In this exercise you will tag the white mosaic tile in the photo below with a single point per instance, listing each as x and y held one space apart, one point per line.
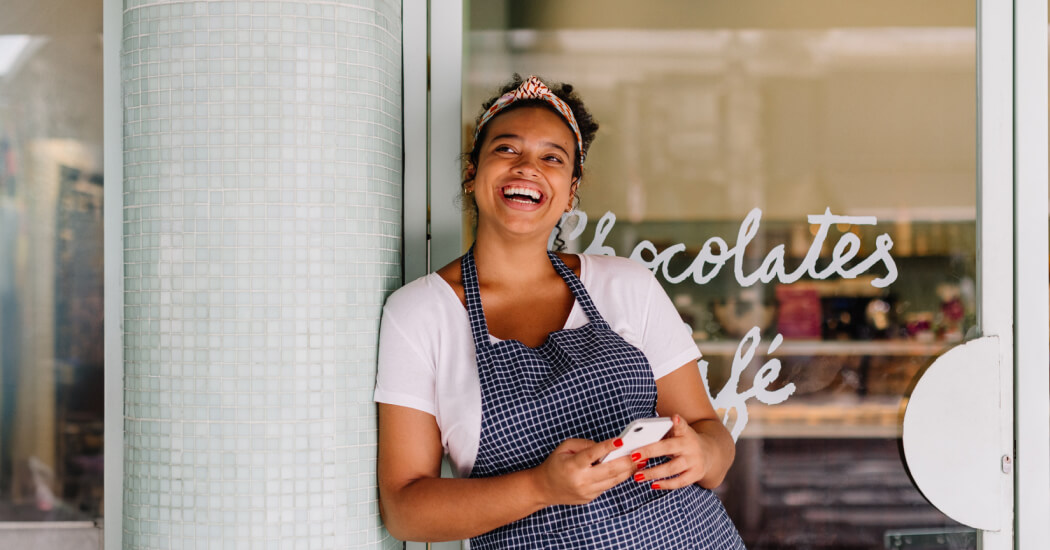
262 228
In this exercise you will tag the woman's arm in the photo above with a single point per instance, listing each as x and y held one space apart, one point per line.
417 504
701 447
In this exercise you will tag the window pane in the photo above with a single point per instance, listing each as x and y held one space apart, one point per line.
829 135
50 260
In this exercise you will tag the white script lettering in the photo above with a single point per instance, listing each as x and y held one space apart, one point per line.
734 402
715 252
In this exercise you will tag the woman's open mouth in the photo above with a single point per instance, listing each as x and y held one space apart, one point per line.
522 195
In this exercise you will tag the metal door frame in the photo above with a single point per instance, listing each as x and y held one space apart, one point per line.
1031 413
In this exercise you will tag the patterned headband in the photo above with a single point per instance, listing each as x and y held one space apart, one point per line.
533 88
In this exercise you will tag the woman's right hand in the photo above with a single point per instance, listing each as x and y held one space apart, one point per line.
418 504
570 474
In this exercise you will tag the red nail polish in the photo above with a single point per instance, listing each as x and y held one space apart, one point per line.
642 464
618 442
636 456
639 477
656 485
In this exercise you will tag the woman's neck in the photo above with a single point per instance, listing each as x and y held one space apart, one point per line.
511 263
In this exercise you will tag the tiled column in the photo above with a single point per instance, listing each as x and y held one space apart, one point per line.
262 227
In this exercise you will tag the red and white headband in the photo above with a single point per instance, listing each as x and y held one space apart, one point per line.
533 88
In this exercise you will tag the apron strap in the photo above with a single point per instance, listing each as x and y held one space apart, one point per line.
478 327
578 290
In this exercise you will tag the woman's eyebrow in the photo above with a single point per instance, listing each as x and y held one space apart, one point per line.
559 147
506 136
517 137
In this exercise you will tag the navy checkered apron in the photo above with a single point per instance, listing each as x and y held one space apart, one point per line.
588 383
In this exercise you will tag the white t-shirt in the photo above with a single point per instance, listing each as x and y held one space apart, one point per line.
426 351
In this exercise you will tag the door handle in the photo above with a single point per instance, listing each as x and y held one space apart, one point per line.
952 432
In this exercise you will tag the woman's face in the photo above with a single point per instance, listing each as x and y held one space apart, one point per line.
522 184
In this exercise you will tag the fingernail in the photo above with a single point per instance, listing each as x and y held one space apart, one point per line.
618 442
639 477
677 419
656 485
642 464
636 456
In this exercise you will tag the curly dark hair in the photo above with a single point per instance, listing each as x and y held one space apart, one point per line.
588 129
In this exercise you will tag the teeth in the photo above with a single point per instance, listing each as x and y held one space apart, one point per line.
523 191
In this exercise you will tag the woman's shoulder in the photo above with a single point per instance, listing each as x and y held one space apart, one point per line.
599 267
428 294
619 286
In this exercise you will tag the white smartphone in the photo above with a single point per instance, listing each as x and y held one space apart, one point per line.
640 433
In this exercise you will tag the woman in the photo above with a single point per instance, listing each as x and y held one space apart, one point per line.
528 393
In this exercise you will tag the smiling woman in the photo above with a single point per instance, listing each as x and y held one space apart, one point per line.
523 181
523 365
517 94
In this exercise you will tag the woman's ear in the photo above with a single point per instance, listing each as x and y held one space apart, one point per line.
468 178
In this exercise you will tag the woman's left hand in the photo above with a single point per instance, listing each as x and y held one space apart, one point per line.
689 452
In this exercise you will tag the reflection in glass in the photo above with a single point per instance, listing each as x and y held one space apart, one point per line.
51 355
706 118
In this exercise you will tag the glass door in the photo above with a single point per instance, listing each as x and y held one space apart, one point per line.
828 204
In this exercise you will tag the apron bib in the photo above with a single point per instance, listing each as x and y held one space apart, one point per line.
589 383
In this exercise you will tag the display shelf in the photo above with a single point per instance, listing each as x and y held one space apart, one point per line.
721 348
853 418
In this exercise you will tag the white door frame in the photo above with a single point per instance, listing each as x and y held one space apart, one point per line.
995 227
113 274
1012 210
432 46
1031 315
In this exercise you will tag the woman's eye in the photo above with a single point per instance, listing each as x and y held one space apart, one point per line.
554 158
504 149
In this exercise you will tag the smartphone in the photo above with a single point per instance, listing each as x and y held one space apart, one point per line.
640 433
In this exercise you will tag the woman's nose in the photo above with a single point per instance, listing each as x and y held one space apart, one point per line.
526 165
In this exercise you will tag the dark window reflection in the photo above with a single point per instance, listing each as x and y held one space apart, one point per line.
51 335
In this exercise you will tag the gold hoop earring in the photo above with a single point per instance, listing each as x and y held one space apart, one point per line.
572 204
573 199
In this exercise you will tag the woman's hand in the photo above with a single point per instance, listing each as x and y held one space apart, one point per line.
700 447
690 457
570 474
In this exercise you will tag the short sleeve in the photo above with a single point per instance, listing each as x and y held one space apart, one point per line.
405 376
667 341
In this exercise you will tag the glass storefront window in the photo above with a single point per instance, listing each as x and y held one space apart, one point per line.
738 136
51 355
